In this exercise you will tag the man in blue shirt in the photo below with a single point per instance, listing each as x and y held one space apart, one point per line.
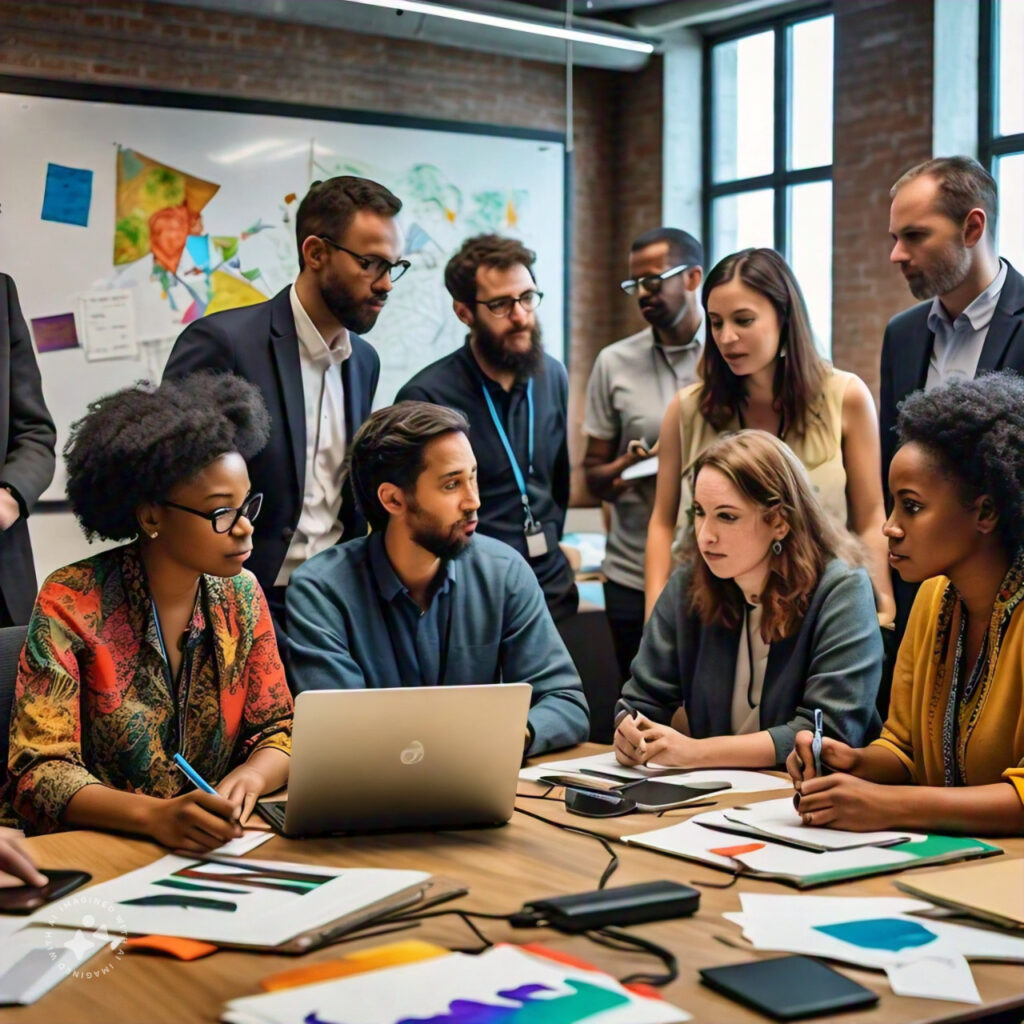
515 397
421 601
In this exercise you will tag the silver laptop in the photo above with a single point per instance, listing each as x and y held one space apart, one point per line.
417 757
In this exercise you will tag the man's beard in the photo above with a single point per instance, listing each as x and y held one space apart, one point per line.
352 315
950 271
444 544
494 353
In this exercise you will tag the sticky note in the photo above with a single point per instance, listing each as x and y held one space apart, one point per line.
53 333
733 851
68 195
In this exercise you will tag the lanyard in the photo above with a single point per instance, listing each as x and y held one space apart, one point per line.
516 471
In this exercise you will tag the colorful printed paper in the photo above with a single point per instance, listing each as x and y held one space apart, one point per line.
67 195
157 208
501 986
54 333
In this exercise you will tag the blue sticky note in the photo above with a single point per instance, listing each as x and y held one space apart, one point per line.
68 195
889 933
198 247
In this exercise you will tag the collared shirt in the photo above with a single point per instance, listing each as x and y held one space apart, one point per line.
457 382
323 395
958 343
632 382
352 625
95 704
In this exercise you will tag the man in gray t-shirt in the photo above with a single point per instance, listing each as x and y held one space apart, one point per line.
632 382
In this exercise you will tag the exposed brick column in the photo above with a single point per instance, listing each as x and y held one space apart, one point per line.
883 125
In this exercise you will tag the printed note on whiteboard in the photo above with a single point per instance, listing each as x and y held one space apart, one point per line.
106 325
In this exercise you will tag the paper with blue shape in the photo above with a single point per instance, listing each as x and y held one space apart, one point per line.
68 195
889 933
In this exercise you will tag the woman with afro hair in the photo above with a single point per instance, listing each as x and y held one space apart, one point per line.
163 645
951 755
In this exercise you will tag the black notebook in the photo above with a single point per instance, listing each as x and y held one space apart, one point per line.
788 987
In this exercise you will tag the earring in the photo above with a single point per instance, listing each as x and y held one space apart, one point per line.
155 534
782 352
776 547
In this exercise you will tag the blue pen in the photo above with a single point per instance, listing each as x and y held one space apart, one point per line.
197 780
816 742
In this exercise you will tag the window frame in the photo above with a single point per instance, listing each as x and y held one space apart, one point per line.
781 178
991 144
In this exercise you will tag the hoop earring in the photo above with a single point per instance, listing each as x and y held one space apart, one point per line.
776 547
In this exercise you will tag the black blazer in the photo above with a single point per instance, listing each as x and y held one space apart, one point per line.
260 344
907 350
27 440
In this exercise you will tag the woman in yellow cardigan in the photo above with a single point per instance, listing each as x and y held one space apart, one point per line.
951 755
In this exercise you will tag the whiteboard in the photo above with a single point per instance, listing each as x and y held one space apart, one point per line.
453 182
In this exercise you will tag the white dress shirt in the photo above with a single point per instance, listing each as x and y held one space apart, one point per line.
958 343
323 395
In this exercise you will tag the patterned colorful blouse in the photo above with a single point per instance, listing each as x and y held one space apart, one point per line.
94 701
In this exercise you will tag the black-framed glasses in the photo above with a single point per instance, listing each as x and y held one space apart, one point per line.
504 304
375 267
651 283
223 520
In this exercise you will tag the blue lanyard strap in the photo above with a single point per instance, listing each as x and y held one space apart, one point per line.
513 462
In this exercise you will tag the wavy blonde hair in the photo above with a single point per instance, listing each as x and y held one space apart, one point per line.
767 473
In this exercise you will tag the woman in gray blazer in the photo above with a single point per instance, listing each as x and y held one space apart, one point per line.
770 619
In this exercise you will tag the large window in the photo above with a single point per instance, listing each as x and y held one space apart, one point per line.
768 150
1001 128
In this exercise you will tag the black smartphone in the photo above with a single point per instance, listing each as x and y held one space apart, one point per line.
23 899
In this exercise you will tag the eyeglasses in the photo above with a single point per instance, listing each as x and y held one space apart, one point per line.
375 267
223 520
504 304
652 282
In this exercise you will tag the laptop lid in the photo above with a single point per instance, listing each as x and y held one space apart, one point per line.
408 757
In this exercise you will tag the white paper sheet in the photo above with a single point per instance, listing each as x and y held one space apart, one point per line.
248 913
779 819
245 843
645 467
105 321
427 989
741 781
936 969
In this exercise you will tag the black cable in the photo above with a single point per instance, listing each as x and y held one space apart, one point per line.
614 938
605 841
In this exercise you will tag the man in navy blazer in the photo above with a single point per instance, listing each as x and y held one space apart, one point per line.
942 221
303 349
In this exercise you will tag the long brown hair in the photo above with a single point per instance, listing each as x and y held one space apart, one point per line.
799 369
764 470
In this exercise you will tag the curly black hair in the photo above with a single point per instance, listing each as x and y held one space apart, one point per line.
974 431
135 445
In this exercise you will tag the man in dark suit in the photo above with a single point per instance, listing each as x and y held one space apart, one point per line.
318 376
942 221
27 440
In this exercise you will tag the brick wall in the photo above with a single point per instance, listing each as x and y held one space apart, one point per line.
883 125
617 179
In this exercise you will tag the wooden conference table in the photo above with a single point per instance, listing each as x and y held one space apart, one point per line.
503 867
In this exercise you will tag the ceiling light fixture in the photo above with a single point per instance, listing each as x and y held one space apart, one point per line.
513 24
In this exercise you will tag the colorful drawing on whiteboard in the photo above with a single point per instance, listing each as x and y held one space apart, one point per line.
159 214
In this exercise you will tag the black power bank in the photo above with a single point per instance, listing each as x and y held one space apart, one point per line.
788 987
627 904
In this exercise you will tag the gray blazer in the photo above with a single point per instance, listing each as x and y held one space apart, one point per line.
833 662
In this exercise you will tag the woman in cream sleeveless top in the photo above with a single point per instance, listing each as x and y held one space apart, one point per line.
760 369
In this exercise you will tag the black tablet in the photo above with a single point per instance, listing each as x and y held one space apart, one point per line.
788 987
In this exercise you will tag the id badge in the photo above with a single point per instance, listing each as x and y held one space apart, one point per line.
536 542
